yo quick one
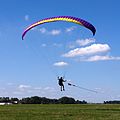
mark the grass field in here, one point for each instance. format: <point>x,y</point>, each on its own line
<point>60,112</point>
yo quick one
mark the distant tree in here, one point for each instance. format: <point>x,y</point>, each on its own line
<point>84,102</point>
<point>66,100</point>
<point>54,101</point>
<point>44,100</point>
<point>14,100</point>
<point>112,102</point>
<point>1,99</point>
<point>81,102</point>
<point>35,100</point>
<point>4,99</point>
<point>25,100</point>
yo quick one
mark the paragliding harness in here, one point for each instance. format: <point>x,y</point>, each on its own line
<point>60,82</point>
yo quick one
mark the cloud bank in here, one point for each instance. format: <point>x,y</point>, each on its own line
<point>101,58</point>
<point>92,49</point>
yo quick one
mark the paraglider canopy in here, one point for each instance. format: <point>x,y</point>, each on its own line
<point>61,18</point>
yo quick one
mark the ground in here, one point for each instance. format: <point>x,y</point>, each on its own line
<point>60,112</point>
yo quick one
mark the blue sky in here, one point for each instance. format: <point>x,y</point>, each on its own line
<point>30,67</point>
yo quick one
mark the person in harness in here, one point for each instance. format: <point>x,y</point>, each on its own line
<point>60,82</point>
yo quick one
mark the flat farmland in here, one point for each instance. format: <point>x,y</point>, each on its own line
<point>60,112</point>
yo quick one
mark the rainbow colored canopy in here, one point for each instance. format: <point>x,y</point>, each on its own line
<point>61,18</point>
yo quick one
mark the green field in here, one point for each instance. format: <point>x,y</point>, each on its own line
<point>60,112</point>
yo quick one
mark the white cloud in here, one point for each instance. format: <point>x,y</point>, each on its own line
<point>47,32</point>
<point>71,45</point>
<point>23,87</point>
<point>44,45</point>
<point>118,96</point>
<point>42,30</point>
<point>17,93</point>
<point>10,84</point>
<point>38,88</point>
<point>70,29</point>
<point>26,17</point>
<point>101,58</point>
<point>57,45</point>
<point>89,50</point>
<point>81,42</point>
<point>84,42</point>
<point>59,64</point>
<point>55,32</point>
<point>48,89</point>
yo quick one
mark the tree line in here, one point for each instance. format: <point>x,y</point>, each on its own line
<point>112,102</point>
<point>44,100</point>
<point>41,100</point>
